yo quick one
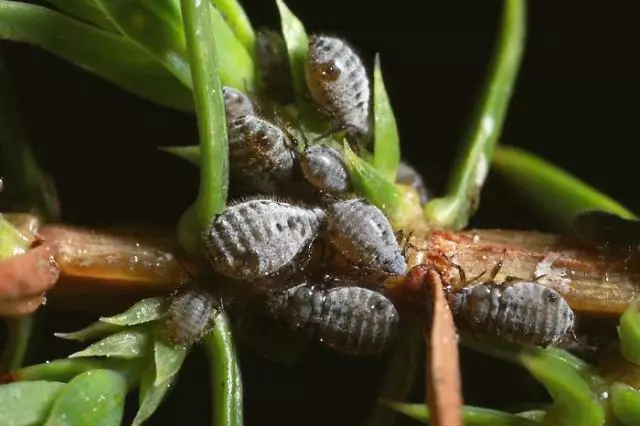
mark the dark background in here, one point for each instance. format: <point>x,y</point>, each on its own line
<point>575,103</point>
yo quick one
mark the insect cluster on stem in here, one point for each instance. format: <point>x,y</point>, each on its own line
<point>294,215</point>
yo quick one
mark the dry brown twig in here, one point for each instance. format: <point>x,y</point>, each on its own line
<point>443,383</point>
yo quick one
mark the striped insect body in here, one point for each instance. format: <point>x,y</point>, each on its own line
<point>260,154</point>
<point>191,314</point>
<point>256,238</point>
<point>349,319</point>
<point>516,311</point>
<point>363,234</point>
<point>338,82</point>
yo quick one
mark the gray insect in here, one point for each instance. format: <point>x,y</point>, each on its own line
<point>260,154</point>
<point>325,168</point>
<point>273,61</point>
<point>349,319</point>
<point>236,104</point>
<point>190,316</point>
<point>337,80</point>
<point>407,175</point>
<point>517,311</point>
<point>257,238</point>
<point>363,234</point>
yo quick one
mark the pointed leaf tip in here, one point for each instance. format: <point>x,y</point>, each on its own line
<point>386,156</point>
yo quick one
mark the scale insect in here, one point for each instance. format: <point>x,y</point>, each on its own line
<point>364,236</point>
<point>236,104</point>
<point>260,153</point>
<point>259,237</point>
<point>191,314</point>
<point>325,168</point>
<point>338,82</point>
<point>517,310</point>
<point>349,319</point>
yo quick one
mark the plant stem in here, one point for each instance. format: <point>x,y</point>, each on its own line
<point>212,125</point>
<point>226,382</point>
<point>474,159</point>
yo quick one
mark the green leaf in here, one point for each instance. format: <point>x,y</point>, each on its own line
<point>27,403</point>
<point>226,381</point>
<point>574,402</point>
<point>235,66</point>
<point>130,343</point>
<point>474,157</point>
<point>168,360</point>
<point>555,194</point>
<point>386,151</point>
<point>87,11</point>
<point>95,398</point>
<point>625,402</point>
<point>107,55</point>
<point>471,416</point>
<point>151,394</point>
<point>372,184</point>
<point>60,370</point>
<point>214,175</point>
<point>295,36</point>
<point>155,26</point>
<point>238,22</point>
<point>91,332</point>
<point>297,41</point>
<point>146,310</point>
<point>574,387</point>
<point>12,242</point>
<point>629,333</point>
<point>189,153</point>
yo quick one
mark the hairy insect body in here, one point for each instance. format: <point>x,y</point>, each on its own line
<point>363,234</point>
<point>257,238</point>
<point>325,168</point>
<point>236,104</point>
<point>260,154</point>
<point>190,316</point>
<point>337,80</point>
<point>349,319</point>
<point>519,312</point>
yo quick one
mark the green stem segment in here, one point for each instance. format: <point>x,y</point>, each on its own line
<point>212,126</point>
<point>225,374</point>
<point>472,164</point>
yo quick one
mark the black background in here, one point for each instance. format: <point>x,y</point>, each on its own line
<point>575,103</point>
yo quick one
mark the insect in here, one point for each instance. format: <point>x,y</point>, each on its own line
<point>363,234</point>
<point>190,315</point>
<point>518,311</point>
<point>260,154</point>
<point>338,82</point>
<point>325,168</point>
<point>349,319</point>
<point>409,176</point>
<point>273,62</point>
<point>236,104</point>
<point>258,237</point>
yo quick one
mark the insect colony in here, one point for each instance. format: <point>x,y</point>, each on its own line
<point>295,211</point>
